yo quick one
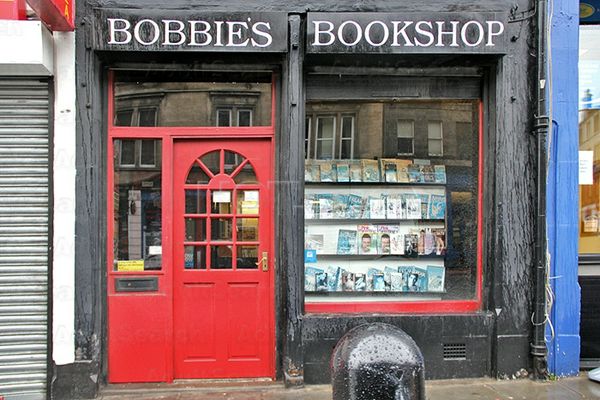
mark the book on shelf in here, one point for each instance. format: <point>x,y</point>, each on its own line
<point>360,282</point>
<point>355,171</point>
<point>411,241</point>
<point>355,208</point>
<point>396,282</point>
<point>437,206</point>
<point>340,205</point>
<point>310,282</point>
<point>439,173</point>
<point>412,205</point>
<point>321,282</point>
<point>402,170</point>
<point>370,171</point>
<point>370,273</point>
<point>376,207</point>
<point>435,278</point>
<point>367,239</point>
<point>385,233</point>
<point>333,279</point>
<point>328,171</point>
<point>346,241</point>
<point>348,281</point>
<point>378,282</point>
<point>343,171</point>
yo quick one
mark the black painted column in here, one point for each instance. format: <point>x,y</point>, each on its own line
<point>291,239</point>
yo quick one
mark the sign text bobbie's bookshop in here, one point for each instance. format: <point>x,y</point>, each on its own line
<point>326,32</point>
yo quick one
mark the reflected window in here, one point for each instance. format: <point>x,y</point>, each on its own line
<point>406,137</point>
<point>330,136</point>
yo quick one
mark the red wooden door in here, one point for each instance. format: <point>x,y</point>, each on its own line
<point>222,259</point>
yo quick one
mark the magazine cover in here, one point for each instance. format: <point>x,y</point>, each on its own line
<point>411,242</point>
<point>370,273</point>
<point>440,241</point>
<point>402,170</point>
<point>367,239</point>
<point>397,242</point>
<point>425,198</point>
<point>437,206</point>
<point>376,208</point>
<point>384,238</point>
<point>333,279</point>
<point>439,173</point>
<point>414,173</point>
<point>429,242</point>
<point>405,271</point>
<point>340,205</point>
<point>328,171</point>
<point>435,278</point>
<point>389,170</point>
<point>314,241</point>
<point>417,280</point>
<point>343,172</point>
<point>346,241</point>
<point>413,206</point>
<point>378,282</point>
<point>347,281</point>
<point>307,168</point>
<point>420,241</point>
<point>370,171</point>
<point>360,282</point>
<point>355,206</point>
<point>309,207</point>
<point>310,283</point>
<point>387,276</point>
<point>315,172</point>
<point>427,173</point>
<point>355,171</point>
<point>396,282</point>
<point>325,207</point>
<point>321,282</point>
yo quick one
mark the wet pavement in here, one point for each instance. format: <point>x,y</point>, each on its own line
<point>464,389</point>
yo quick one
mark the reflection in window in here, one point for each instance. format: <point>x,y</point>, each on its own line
<point>331,136</point>
<point>589,192</point>
<point>406,137</point>
<point>325,138</point>
<point>434,138</point>
<point>137,205</point>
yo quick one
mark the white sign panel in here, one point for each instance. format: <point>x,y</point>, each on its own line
<point>586,167</point>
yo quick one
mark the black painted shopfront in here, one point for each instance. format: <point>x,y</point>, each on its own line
<point>402,182</point>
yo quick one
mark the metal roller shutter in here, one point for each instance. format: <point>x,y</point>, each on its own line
<point>24,170</point>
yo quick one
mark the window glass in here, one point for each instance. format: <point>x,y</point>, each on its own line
<point>191,98</point>
<point>384,221</point>
<point>589,142</point>
<point>137,205</point>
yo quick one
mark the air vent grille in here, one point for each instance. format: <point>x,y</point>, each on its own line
<point>455,351</point>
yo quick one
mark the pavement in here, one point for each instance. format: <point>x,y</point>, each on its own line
<point>460,389</point>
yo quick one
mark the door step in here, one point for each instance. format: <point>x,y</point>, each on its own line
<point>190,385</point>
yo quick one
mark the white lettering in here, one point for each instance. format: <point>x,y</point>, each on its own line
<point>402,32</point>
<point>264,34</point>
<point>319,31</point>
<point>169,31</point>
<point>464,31</point>
<point>124,29</point>
<point>138,28</point>
<point>423,32</point>
<point>441,33</point>
<point>194,32</point>
<point>386,33</point>
<point>237,33</point>
<point>219,33</point>
<point>491,32</point>
<point>341,33</point>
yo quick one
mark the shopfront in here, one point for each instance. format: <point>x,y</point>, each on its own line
<point>254,184</point>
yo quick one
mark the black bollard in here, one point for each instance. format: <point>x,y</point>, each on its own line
<point>377,362</point>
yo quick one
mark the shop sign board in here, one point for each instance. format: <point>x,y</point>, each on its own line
<point>445,33</point>
<point>135,30</point>
<point>56,14</point>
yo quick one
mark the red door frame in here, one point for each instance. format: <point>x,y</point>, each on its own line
<point>165,276</point>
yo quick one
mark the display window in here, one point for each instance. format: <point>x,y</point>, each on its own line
<point>392,205</point>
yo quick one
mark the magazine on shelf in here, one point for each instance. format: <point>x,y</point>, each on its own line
<point>396,282</point>
<point>315,172</point>
<point>384,238</point>
<point>393,206</point>
<point>340,205</point>
<point>427,173</point>
<point>355,206</point>
<point>310,282</point>
<point>360,282</point>
<point>333,279</point>
<point>370,171</point>
<point>389,170</point>
<point>370,273</point>
<point>414,173</point>
<point>355,171</point>
<point>321,282</point>
<point>437,206</point>
<point>405,271</point>
<point>314,241</point>
<point>412,206</point>
<point>435,278</point>
<point>425,198</point>
<point>328,171</point>
<point>348,281</point>
<point>378,282</point>
<point>307,171</point>
<point>417,280</point>
<point>428,242</point>
<point>325,206</point>
<point>440,240</point>
<point>420,241</point>
<point>397,243</point>
<point>387,276</point>
<point>310,206</point>
<point>367,239</point>
<point>376,207</point>
<point>411,241</point>
<point>440,173</point>
<point>346,241</point>
<point>343,172</point>
<point>402,170</point>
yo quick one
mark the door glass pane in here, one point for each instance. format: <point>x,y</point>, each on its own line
<point>221,202</point>
<point>247,257</point>
<point>247,229</point>
<point>195,201</point>
<point>148,153</point>
<point>246,175</point>
<point>212,161</point>
<point>195,257</point>
<point>221,229</point>
<point>221,257</point>
<point>137,208</point>
<point>232,161</point>
<point>148,117</point>
<point>247,202</point>
<point>195,230</point>
<point>245,118</point>
<point>223,117</point>
<point>123,118</point>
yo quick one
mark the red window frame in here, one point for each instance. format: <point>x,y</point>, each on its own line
<point>429,306</point>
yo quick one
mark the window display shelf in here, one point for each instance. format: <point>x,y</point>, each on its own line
<point>329,221</point>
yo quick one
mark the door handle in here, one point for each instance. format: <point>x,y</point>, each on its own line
<point>264,262</point>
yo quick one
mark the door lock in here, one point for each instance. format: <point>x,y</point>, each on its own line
<point>263,262</point>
